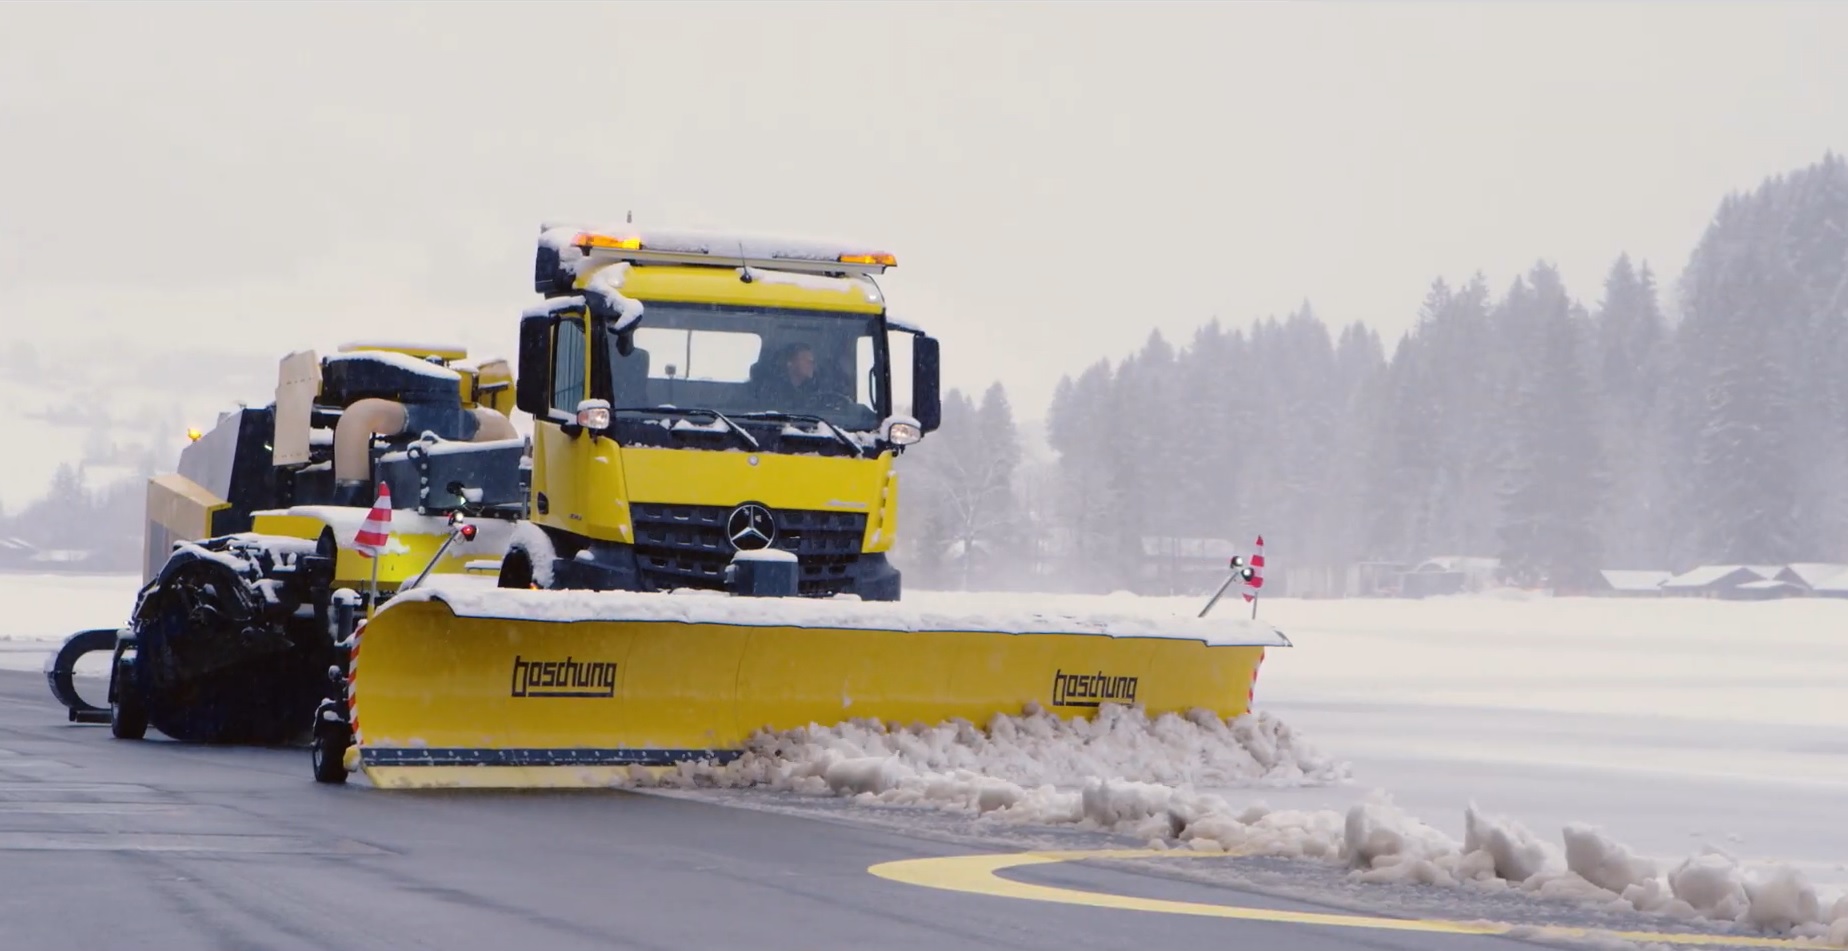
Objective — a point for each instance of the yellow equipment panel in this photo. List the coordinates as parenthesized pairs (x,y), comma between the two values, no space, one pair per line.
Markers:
(442,697)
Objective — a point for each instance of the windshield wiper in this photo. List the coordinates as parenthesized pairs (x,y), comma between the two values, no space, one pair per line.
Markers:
(845,439)
(749,439)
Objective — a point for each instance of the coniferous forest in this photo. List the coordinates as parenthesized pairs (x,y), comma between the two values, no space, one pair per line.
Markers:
(1654,427)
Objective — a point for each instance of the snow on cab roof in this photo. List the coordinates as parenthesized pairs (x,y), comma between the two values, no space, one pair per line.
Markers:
(627,237)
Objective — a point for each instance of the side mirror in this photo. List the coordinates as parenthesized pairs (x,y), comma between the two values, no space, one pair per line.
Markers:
(533,388)
(926,403)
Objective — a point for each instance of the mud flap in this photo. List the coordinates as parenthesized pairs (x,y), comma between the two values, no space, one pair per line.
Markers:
(61,669)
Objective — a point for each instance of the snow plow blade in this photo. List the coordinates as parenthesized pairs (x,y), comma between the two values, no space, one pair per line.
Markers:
(506,688)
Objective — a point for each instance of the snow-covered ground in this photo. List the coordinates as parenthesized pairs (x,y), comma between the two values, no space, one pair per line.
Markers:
(1672,737)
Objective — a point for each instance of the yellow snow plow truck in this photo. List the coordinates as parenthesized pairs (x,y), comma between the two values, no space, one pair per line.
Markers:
(699,550)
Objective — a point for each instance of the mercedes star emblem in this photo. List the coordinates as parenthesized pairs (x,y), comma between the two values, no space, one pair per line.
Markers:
(750,527)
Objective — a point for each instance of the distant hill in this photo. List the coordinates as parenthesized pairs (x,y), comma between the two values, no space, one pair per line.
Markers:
(109,409)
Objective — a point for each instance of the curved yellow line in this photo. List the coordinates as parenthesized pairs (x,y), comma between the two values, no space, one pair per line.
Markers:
(976,874)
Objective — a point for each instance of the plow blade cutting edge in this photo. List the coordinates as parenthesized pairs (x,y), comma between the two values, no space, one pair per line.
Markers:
(517,688)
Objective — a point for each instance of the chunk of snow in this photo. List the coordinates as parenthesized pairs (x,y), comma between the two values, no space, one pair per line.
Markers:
(1711,884)
(1604,862)
(766,554)
(1518,856)
(1780,899)
(606,284)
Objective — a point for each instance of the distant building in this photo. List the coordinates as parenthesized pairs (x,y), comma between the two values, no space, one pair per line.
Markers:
(1175,565)
(1769,589)
(1630,583)
(1722,581)
(1815,576)
(1834,586)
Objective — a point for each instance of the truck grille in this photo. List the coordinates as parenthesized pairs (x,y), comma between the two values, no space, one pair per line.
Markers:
(685,546)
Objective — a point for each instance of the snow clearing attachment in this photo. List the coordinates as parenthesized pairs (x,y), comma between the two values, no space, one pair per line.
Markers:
(459,685)
(231,636)
(703,553)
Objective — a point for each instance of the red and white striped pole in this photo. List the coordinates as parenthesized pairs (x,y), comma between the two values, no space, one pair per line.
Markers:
(1254,577)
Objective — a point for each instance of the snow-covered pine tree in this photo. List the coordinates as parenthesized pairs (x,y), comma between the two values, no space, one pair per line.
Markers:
(1550,489)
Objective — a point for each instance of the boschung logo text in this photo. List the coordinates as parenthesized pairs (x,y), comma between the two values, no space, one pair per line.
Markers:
(563,678)
(1090,690)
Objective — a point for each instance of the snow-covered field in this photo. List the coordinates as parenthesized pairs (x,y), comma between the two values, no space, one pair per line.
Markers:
(1675,756)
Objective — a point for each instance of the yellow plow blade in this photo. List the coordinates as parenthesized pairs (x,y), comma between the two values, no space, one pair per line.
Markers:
(514,688)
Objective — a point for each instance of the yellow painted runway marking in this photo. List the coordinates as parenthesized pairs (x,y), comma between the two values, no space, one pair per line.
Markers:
(976,874)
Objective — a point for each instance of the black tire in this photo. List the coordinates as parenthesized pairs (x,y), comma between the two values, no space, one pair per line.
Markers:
(329,754)
(516,569)
(128,719)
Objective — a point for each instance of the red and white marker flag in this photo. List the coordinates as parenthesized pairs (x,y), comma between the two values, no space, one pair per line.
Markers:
(1255,578)
(375,532)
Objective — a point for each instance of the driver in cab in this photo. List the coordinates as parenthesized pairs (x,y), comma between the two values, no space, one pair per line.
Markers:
(793,385)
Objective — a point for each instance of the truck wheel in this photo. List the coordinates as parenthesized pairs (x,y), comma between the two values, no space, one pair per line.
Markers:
(516,570)
(329,758)
(128,713)
(127,719)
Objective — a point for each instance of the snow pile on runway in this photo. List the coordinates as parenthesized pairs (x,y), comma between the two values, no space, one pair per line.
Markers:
(1124,773)
(1037,749)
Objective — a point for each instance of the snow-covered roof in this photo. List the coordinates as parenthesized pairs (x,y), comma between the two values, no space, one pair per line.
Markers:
(1713,574)
(1623,579)
(1813,573)
(1768,584)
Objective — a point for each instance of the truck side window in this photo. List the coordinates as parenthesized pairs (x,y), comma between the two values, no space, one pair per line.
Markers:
(568,366)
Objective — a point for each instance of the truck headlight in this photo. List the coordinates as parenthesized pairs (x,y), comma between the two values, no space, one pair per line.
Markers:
(903,431)
(594,414)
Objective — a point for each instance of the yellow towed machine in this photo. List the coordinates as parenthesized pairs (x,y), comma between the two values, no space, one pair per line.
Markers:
(250,542)
(703,553)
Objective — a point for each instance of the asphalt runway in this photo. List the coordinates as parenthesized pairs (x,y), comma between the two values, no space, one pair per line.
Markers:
(116,844)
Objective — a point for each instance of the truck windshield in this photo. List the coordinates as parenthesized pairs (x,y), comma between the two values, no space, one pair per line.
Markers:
(743,360)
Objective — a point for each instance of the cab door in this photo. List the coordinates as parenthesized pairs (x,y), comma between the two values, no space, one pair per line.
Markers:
(560,454)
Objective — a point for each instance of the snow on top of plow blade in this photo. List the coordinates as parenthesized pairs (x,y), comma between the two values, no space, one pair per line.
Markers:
(473,598)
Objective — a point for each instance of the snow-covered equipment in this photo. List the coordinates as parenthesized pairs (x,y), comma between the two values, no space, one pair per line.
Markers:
(714,494)
(696,548)
(234,630)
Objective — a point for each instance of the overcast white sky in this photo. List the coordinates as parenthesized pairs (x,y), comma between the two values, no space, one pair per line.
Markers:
(1055,179)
